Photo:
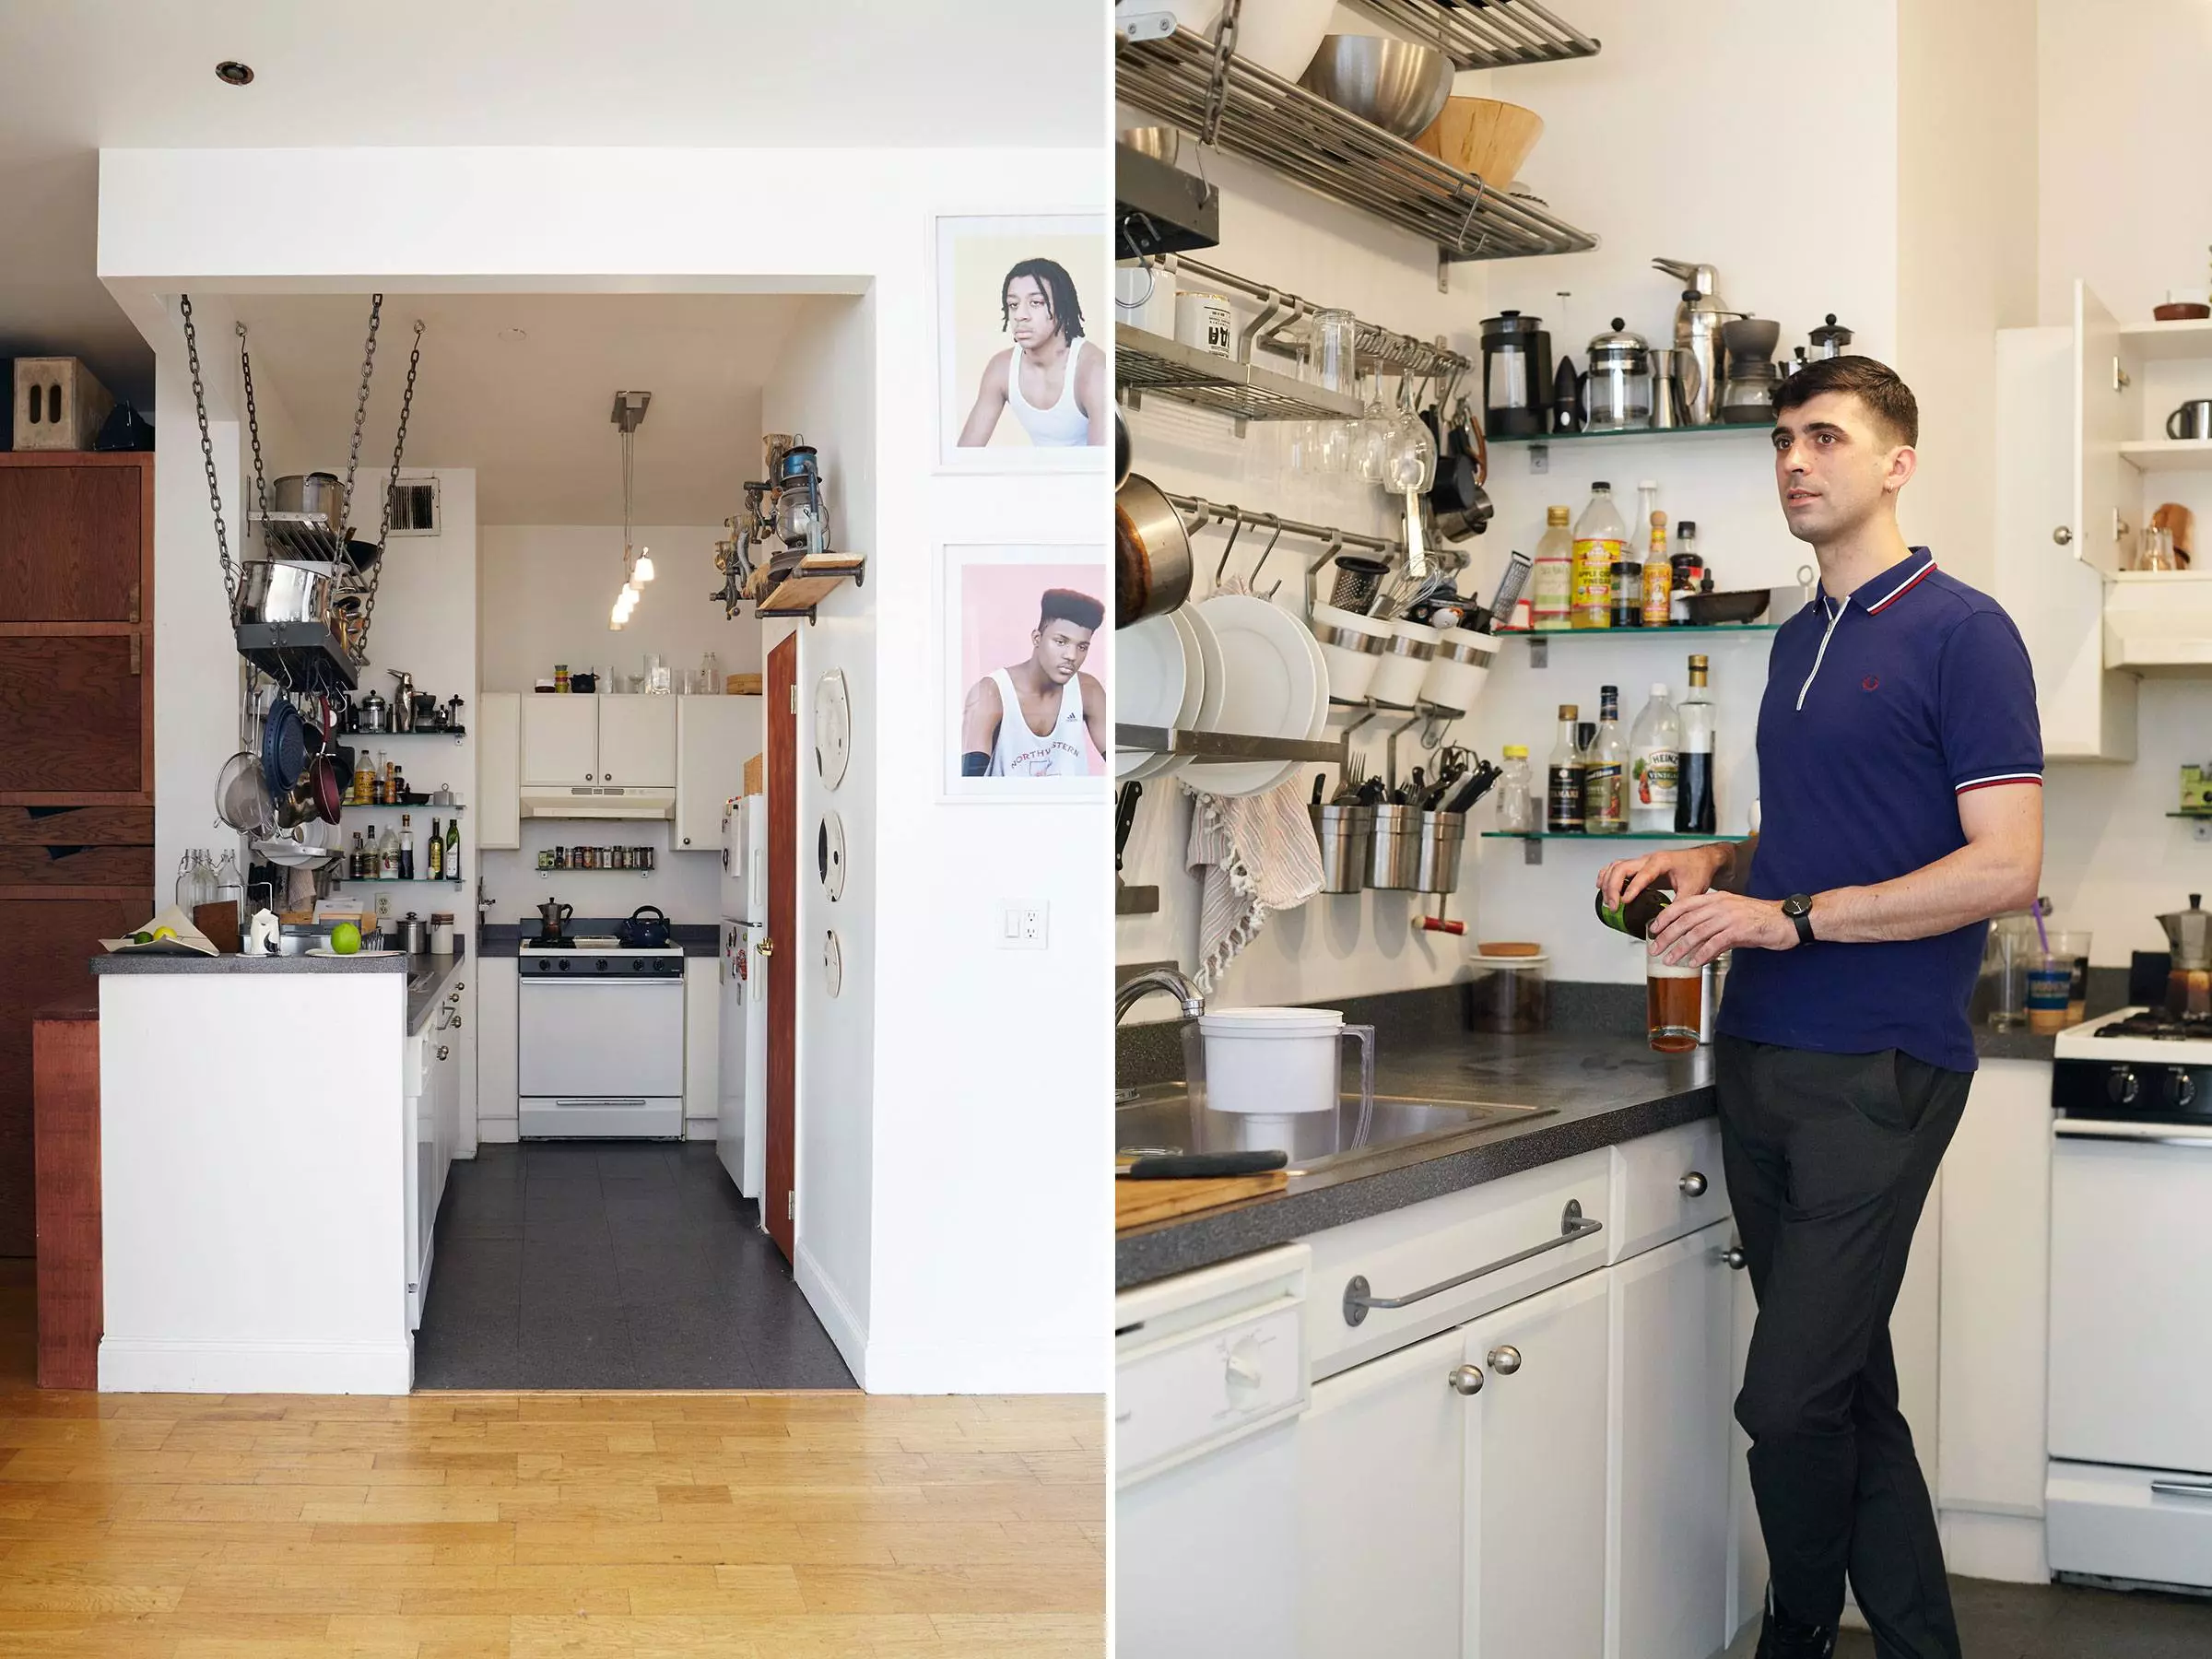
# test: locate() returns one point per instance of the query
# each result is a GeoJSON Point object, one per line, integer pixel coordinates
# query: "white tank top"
{"type": "Point", "coordinates": [1063, 425]}
{"type": "Point", "coordinates": [1021, 753]}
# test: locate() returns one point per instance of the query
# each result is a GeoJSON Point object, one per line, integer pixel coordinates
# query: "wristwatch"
{"type": "Point", "coordinates": [1798, 908]}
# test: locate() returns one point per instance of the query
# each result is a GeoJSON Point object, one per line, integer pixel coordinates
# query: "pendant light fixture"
{"type": "Point", "coordinates": [637, 562]}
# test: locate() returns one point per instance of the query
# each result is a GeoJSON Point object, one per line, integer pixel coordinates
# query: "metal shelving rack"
{"type": "Point", "coordinates": [1490, 34]}
{"type": "Point", "coordinates": [1226, 101]}
{"type": "Point", "coordinates": [1149, 362]}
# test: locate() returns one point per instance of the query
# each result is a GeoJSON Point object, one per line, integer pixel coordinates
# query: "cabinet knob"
{"type": "Point", "coordinates": [1692, 1184]}
{"type": "Point", "coordinates": [1466, 1378]}
{"type": "Point", "coordinates": [442, 1051]}
{"type": "Point", "coordinates": [2062, 536]}
{"type": "Point", "coordinates": [1734, 1255]}
{"type": "Point", "coordinates": [456, 1022]}
{"type": "Point", "coordinates": [1505, 1360]}
{"type": "Point", "coordinates": [688, 841]}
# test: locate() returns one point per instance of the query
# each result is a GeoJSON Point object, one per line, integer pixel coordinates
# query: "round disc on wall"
{"type": "Point", "coordinates": [833, 963]}
{"type": "Point", "coordinates": [829, 855]}
{"type": "Point", "coordinates": [833, 727]}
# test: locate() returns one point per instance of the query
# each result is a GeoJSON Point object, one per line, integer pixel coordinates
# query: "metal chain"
{"type": "Point", "coordinates": [214, 488]}
{"type": "Point", "coordinates": [260, 482]}
{"type": "Point", "coordinates": [399, 447]}
{"type": "Point", "coordinates": [360, 413]}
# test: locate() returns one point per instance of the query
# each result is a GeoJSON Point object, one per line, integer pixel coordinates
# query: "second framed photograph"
{"type": "Point", "coordinates": [1026, 677]}
{"type": "Point", "coordinates": [1022, 384]}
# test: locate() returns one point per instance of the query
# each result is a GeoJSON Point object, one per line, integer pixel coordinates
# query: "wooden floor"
{"type": "Point", "coordinates": [623, 1525]}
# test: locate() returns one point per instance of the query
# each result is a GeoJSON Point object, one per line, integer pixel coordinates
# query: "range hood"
{"type": "Point", "coordinates": [581, 801]}
{"type": "Point", "coordinates": [2159, 621]}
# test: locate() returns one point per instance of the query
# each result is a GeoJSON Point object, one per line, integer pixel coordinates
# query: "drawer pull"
{"type": "Point", "coordinates": [1692, 1184]}
{"type": "Point", "coordinates": [2182, 1489]}
{"type": "Point", "coordinates": [1358, 1298]}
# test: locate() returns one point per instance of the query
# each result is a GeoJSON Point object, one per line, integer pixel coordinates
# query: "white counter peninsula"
{"type": "Point", "coordinates": [274, 1134]}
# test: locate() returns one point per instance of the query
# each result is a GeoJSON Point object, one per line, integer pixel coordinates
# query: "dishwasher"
{"type": "Point", "coordinates": [1210, 1377]}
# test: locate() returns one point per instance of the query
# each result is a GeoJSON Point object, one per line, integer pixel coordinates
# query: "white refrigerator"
{"type": "Point", "coordinates": [741, 1118]}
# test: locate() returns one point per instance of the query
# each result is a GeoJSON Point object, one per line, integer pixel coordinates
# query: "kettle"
{"type": "Point", "coordinates": [553, 916]}
{"type": "Point", "coordinates": [2189, 975]}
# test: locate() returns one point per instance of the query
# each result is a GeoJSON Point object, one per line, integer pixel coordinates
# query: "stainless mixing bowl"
{"type": "Point", "coordinates": [1399, 87]}
{"type": "Point", "coordinates": [1161, 143]}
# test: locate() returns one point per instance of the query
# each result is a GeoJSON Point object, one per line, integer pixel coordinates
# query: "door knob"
{"type": "Point", "coordinates": [1466, 1378]}
{"type": "Point", "coordinates": [1505, 1361]}
{"type": "Point", "coordinates": [768, 947]}
{"type": "Point", "coordinates": [1734, 1255]}
{"type": "Point", "coordinates": [1692, 1184]}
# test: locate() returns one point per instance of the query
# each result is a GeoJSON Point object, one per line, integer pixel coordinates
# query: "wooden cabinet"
{"type": "Point", "coordinates": [499, 724]}
{"type": "Point", "coordinates": [1668, 1425]}
{"type": "Point", "coordinates": [72, 718]}
{"type": "Point", "coordinates": [73, 532]}
{"type": "Point", "coordinates": [1383, 1502]}
{"type": "Point", "coordinates": [560, 739]}
{"type": "Point", "coordinates": [1535, 1475]}
{"type": "Point", "coordinates": [637, 741]}
{"type": "Point", "coordinates": [714, 738]}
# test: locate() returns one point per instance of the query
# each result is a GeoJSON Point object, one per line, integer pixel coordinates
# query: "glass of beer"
{"type": "Point", "coordinates": [1674, 999]}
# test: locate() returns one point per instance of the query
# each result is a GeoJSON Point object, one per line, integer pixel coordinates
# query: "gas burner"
{"type": "Point", "coordinates": [2160, 1024]}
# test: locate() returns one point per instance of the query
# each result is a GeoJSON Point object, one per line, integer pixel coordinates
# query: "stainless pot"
{"type": "Point", "coordinates": [283, 590]}
{"type": "Point", "coordinates": [1152, 553]}
{"type": "Point", "coordinates": [310, 492]}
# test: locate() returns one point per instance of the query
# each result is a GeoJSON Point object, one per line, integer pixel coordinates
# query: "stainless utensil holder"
{"type": "Point", "coordinates": [1437, 841]}
{"type": "Point", "coordinates": [1347, 835]}
{"type": "Point", "coordinates": [1395, 848]}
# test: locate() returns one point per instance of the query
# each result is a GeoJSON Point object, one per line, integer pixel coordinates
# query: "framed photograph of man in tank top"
{"type": "Point", "coordinates": [1025, 375]}
{"type": "Point", "coordinates": [1024, 672]}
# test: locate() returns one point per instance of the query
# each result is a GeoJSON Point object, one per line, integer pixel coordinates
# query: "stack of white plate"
{"type": "Point", "coordinates": [1233, 664]}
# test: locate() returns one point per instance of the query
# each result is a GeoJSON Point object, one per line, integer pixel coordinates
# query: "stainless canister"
{"type": "Point", "coordinates": [1437, 844]}
{"type": "Point", "coordinates": [1395, 848]}
{"type": "Point", "coordinates": [1347, 834]}
{"type": "Point", "coordinates": [414, 934]}
{"type": "Point", "coordinates": [1715, 979]}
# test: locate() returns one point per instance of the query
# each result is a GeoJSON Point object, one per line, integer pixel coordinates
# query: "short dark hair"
{"type": "Point", "coordinates": [1059, 293]}
{"type": "Point", "coordinates": [1876, 386]}
{"type": "Point", "coordinates": [1066, 604]}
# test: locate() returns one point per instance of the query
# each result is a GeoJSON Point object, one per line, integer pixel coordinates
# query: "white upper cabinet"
{"type": "Point", "coordinates": [714, 738]}
{"type": "Point", "coordinates": [498, 770]}
{"type": "Point", "coordinates": [560, 739]}
{"type": "Point", "coordinates": [637, 742]}
{"type": "Point", "coordinates": [2068, 518]}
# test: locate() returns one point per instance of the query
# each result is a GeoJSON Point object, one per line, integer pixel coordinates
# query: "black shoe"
{"type": "Point", "coordinates": [1782, 1637]}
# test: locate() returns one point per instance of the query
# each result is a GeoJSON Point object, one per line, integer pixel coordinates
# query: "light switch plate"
{"type": "Point", "coordinates": [1022, 924]}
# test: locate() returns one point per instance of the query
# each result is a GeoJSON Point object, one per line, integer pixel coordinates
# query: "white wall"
{"type": "Point", "coordinates": [989, 1228]}
{"type": "Point", "coordinates": [1818, 99]}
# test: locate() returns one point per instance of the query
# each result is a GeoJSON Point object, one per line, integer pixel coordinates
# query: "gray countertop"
{"type": "Point", "coordinates": [428, 980]}
{"type": "Point", "coordinates": [505, 939]}
{"type": "Point", "coordinates": [140, 961]}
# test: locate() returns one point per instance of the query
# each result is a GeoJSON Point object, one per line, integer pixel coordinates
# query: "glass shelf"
{"type": "Point", "coordinates": [2194, 817]}
{"type": "Point", "coordinates": [1673, 630]}
{"type": "Point", "coordinates": [401, 880]}
{"type": "Point", "coordinates": [401, 807]}
{"type": "Point", "coordinates": [1682, 432]}
{"type": "Point", "coordinates": [380, 736]}
{"type": "Point", "coordinates": [1633, 835]}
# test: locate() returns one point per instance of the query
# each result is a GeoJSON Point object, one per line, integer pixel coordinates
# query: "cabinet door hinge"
{"type": "Point", "coordinates": [790, 1205]}
{"type": "Point", "coordinates": [137, 655]}
{"type": "Point", "coordinates": [133, 616]}
{"type": "Point", "coordinates": [794, 697]}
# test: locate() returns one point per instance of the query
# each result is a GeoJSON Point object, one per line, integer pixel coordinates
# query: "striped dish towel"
{"type": "Point", "coordinates": [1252, 854]}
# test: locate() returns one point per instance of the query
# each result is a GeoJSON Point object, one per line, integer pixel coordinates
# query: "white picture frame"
{"type": "Point", "coordinates": [973, 259]}
{"type": "Point", "coordinates": [988, 596]}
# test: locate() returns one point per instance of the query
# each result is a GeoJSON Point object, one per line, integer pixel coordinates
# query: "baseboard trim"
{"type": "Point", "coordinates": [2009, 1548]}
{"type": "Point", "coordinates": [496, 1131]}
{"type": "Point", "coordinates": [953, 1369]}
{"type": "Point", "coordinates": [836, 1314]}
{"type": "Point", "coordinates": [170, 1365]}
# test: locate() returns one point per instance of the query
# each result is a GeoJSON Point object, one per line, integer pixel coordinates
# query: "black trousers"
{"type": "Point", "coordinates": [1830, 1157]}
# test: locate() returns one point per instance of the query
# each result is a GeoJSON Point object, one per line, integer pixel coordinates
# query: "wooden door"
{"type": "Point", "coordinates": [1536, 1475]}
{"type": "Point", "coordinates": [69, 542]}
{"type": "Point", "coordinates": [781, 1198]}
{"type": "Point", "coordinates": [1381, 1505]}
{"type": "Point", "coordinates": [1669, 1520]}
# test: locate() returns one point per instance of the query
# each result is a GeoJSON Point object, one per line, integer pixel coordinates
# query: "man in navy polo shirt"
{"type": "Point", "coordinates": [1900, 769]}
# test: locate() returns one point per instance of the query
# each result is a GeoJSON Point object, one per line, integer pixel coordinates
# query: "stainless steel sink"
{"type": "Point", "coordinates": [1157, 1118]}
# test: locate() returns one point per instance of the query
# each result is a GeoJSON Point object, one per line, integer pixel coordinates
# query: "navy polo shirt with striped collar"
{"type": "Point", "coordinates": [1881, 711]}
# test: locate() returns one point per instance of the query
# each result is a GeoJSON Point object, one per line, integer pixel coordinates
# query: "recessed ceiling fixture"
{"type": "Point", "coordinates": [637, 562]}
{"type": "Point", "coordinates": [232, 73]}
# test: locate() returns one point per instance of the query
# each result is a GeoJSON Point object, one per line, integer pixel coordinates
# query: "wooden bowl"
{"type": "Point", "coordinates": [2181, 311]}
{"type": "Point", "coordinates": [1484, 137]}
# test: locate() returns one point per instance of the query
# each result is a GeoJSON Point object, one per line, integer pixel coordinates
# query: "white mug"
{"type": "Point", "coordinates": [1205, 323]}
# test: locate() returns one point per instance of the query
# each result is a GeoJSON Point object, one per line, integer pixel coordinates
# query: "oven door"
{"type": "Point", "coordinates": [585, 1038]}
{"type": "Point", "coordinates": [2131, 1296]}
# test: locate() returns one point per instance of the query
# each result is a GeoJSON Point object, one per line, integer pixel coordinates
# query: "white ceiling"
{"type": "Point", "coordinates": [531, 415]}
{"type": "Point", "coordinates": [77, 77]}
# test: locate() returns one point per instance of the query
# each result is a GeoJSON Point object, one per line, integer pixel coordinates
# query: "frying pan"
{"type": "Point", "coordinates": [283, 748]}
{"type": "Point", "coordinates": [1152, 553]}
{"type": "Point", "coordinates": [323, 774]}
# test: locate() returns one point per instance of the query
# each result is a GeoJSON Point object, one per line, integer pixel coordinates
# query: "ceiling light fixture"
{"type": "Point", "coordinates": [628, 413]}
{"type": "Point", "coordinates": [232, 73]}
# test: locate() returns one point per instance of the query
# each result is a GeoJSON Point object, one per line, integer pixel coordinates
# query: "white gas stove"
{"type": "Point", "coordinates": [601, 1041]}
{"type": "Point", "coordinates": [2128, 1497]}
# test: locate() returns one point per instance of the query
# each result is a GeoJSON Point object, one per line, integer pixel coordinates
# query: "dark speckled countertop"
{"type": "Point", "coordinates": [505, 939]}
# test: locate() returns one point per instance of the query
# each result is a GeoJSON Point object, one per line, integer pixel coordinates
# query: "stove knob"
{"type": "Point", "coordinates": [563, 964]}
{"type": "Point", "coordinates": [2121, 1085]}
{"type": "Point", "coordinates": [2181, 1089]}
{"type": "Point", "coordinates": [602, 964]}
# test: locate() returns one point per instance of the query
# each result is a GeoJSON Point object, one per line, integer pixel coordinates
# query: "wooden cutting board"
{"type": "Point", "coordinates": [1141, 1203]}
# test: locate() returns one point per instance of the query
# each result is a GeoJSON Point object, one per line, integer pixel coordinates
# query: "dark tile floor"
{"type": "Point", "coordinates": [2057, 1621]}
{"type": "Point", "coordinates": [611, 1264]}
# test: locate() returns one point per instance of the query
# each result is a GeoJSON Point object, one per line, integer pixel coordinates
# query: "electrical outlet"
{"type": "Point", "coordinates": [383, 906]}
{"type": "Point", "coordinates": [1021, 925]}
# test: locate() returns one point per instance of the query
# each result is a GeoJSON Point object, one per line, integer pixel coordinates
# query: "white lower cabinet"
{"type": "Point", "coordinates": [1382, 1535]}
{"type": "Point", "coordinates": [1536, 1462]}
{"type": "Point", "coordinates": [1746, 1592]}
{"type": "Point", "coordinates": [1672, 1312]}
